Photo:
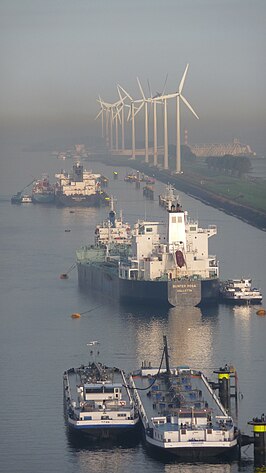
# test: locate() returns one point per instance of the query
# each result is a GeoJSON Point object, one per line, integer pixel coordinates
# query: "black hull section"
{"type": "Point", "coordinates": [106, 433]}
{"type": "Point", "coordinates": [43, 199]}
{"type": "Point", "coordinates": [169, 293]}
{"type": "Point", "coordinates": [199, 454]}
{"type": "Point", "coordinates": [93, 200]}
{"type": "Point", "coordinates": [225, 300]}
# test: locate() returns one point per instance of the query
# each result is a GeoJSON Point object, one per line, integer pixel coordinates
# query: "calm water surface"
{"type": "Point", "coordinates": [39, 340]}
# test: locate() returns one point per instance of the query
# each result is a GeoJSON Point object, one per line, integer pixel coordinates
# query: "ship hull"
{"type": "Point", "coordinates": [103, 432]}
{"type": "Point", "coordinates": [197, 453]}
{"type": "Point", "coordinates": [104, 278]}
{"type": "Point", "coordinates": [43, 198]}
{"type": "Point", "coordinates": [81, 200]}
{"type": "Point", "coordinates": [232, 301]}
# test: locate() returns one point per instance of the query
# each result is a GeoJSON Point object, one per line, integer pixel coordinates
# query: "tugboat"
{"type": "Point", "coordinates": [98, 401]}
{"type": "Point", "coordinates": [167, 263]}
{"type": "Point", "coordinates": [240, 291]}
{"type": "Point", "coordinates": [180, 413]}
{"type": "Point", "coordinates": [26, 199]}
{"type": "Point", "coordinates": [148, 191]}
{"type": "Point", "coordinates": [19, 196]}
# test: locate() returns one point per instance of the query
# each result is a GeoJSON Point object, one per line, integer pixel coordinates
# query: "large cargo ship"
{"type": "Point", "coordinates": [79, 188]}
{"type": "Point", "coordinates": [43, 192]}
{"type": "Point", "coordinates": [166, 263]}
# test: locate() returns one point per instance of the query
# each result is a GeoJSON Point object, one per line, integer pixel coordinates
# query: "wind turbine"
{"type": "Point", "coordinates": [145, 103]}
{"type": "Point", "coordinates": [155, 99]}
{"type": "Point", "coordinates": [178, 95]}
{"type": "Point", "coordinates": [106, 107]}
{"type": "Point", "coordinates": [101, 114]}
{"type": "Point", "coordinates": [109, 109]}
{"type": "Point", "coordinates": [120, 108]}
{"type": "Point", "coordinates": [132, 115]}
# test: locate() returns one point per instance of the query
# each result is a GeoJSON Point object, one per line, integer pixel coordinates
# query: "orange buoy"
{"type": "Point", "coordinates": [261, 312]}
{"type": "Point", "coordinates": [75, 316]}
{"type": "Point", "coordinates": [63, 276]}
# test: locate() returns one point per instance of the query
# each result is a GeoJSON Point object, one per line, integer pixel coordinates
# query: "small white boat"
{"type": "Point", "coordinates": [240, 291]}
{"type": "Point", "coordinates": [26, 199]}
{"type": "Point", "coordinates": [169, 197]}
{"type": "Point", "coordinates": [97, 400]}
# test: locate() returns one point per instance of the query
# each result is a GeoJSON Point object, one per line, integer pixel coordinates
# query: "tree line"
{"type": "Point", "coordinates": [236, 166]}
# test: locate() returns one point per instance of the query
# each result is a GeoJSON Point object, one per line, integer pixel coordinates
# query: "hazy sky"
{"type": "Point", "coordinates": [57, 56]}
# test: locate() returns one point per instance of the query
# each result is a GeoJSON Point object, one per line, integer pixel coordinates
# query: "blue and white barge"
{"type": "Point", "coordinates": [98, 402]}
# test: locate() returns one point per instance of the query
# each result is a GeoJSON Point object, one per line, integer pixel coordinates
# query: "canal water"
{"type": "Point", "coordinates": [39, 339]}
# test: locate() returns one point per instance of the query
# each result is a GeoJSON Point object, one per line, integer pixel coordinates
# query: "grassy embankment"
{"type": "Point", "coordinates": [248, 192]}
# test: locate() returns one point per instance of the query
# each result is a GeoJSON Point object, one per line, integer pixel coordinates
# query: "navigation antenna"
{"type": "Point", "coordinates": [93, 350]}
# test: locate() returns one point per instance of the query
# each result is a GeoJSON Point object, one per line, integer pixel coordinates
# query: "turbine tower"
{"type": "Point", "coordinates": [101, 114]}
{"type": "Point", "coordinates": [110, 117]}
{"type": "Point", "coordinates": [163, 100]}
{"type": "Point", "coordinates": [132, 113]}
{"type": "Point", "coordinates": [146, 126]}
{"type": "Point", "coordinates": [122, 119]}
{"type": "Point", "coordinates": [157, 99]}
{"type": "Point", "coordinates": [165, 135]}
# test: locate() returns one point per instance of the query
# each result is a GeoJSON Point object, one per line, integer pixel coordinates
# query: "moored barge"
{"type": "Point", "coordinates": [98, 402]}
{"type": "Point", "coordinates": [180, 413]}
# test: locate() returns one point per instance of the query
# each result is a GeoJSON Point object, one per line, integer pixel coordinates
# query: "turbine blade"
{"type": "Point", "coordinates": [129, 114]}
{"type": "Point", "coordinates": [119, 118]}
{"type": "Point", "coordinates": [141, 90]}
{"type": "Point", "coordinates": [189, 106]}
{"type": "Point", "coordinates": [98, 115]}
{"type": "Point", "coordinates": [138, 109]}
{"type": "Point", "coordinates": [118, 110]}
{"type": "Point", "coordinates": [125, 92]}
{"type": "Point", "coordinates": [149, 87]}
{"type": "Point", "coordinates": [164, 84]}
{"type": "Point", "coordinates": [119, 93]}
{"type": "Point", "coordinates": [181, 85]}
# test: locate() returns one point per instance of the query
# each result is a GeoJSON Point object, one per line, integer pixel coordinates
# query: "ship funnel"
{"type": "Point", "coordinates": [177, 227]}
{"type": "Point", "coordinates": [112, 218]}
{"type": "Point", "coordinates": [78, 172]}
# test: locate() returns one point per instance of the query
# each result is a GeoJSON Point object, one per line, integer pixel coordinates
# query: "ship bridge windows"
{"type": "Point", "coordinates": [97, 389]}
{"type": "Point", "coordinates": [133, 274]}
{"type": "Point", "coordinates": [108, 389]}
{"type": "Point", "coordinates": [149, 229]}
{"type": "Point", "coordinates": [177, 220]}
{"type": "Point", "coordinates": [94, 389]}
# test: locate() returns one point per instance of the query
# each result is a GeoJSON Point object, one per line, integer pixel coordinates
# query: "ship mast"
{"type": "Point", "coordinates": [168, 371]}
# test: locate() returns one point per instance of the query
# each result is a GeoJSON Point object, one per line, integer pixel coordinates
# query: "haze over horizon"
{"type": "Point", "coordinates": [58, 56]}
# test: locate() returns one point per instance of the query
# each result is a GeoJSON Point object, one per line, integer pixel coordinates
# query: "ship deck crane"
{"type": "Point", "coordinates": [16, 198]}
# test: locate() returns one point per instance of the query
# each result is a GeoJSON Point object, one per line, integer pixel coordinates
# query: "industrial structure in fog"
{"type": "Point", "coordinates": [234, 149]}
